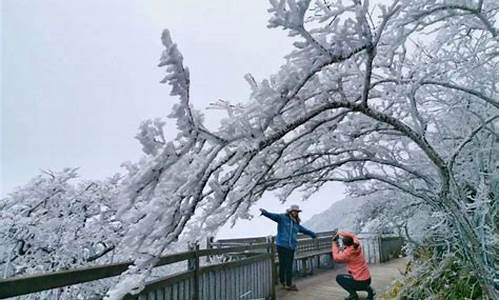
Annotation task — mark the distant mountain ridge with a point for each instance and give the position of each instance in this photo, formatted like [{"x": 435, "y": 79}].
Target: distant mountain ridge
[
  {"x": 360, "y": 215},
  {"x": 342, "y": 214}
]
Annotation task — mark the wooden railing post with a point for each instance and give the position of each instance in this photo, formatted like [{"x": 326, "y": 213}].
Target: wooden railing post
[
  {"x": 318, "y": 257},
  {"x": 196, "y": 273},
  {"x": 380, "y": 249},
  {"x": 210, "y": 241},
  {"x": 272, "y": 250},
  {"x": 194, "y": 265}
]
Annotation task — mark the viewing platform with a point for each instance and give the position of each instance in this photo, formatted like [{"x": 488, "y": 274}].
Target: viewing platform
[
  {"x": 244, "y": 268},
  {"x": 323, "y": 286}
]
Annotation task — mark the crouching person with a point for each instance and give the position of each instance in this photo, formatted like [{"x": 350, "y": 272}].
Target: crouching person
[{"x": 359, "y": 278}]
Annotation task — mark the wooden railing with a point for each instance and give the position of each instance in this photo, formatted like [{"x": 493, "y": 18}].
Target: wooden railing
[
  {"x": 312, "y": 254},
  {"x": 390, "y": 247},
  {"x": 250, "y": 273},
  {"x": 251, "y": 277}
]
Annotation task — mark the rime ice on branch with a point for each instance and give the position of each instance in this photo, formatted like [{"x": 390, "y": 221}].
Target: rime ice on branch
[{"x": 363, "y": 99}]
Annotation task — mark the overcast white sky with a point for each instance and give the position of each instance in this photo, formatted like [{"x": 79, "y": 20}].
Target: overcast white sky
[{"x": 78, "y": 77}]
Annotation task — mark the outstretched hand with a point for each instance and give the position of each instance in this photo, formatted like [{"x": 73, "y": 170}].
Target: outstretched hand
[{"x": 262, "y": 210}]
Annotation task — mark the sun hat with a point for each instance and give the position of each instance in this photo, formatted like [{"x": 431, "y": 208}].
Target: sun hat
[{"x": 293, "y": 207}]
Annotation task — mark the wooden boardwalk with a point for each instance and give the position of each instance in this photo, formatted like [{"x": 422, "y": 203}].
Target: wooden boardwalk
[{"x": 324, "y": 287}]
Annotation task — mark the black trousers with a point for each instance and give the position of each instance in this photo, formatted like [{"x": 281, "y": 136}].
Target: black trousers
[
  {"x": 285, "y": 256},
  {"x": 349, "y": 284}
]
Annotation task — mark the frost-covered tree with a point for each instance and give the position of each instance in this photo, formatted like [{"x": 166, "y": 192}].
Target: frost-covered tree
[
  {"x": 56, "y": 222},
  {"x": 398, "y": 101},
  {"x": 399, "y": 97}
]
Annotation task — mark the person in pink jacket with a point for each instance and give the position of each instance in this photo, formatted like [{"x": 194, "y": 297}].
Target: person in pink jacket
[{"x": 358, "y": 277}]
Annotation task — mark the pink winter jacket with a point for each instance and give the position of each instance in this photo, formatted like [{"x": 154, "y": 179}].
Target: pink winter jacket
[{"x": 352, "y": 256}]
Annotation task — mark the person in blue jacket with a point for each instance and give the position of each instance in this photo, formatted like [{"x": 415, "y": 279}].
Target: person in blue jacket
[{"x": 286, "y": 241}]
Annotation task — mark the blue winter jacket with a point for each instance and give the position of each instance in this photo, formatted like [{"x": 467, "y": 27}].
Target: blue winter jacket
[{"x": 287, "y": 230}]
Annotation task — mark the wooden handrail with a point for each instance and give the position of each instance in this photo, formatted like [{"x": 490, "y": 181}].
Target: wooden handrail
[
  {"x": 17, "y": 286},
  {"x": 40, "y": 282},
  {"x": 168, "y": 280}
]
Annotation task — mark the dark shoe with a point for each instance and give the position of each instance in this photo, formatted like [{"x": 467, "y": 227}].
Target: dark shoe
[
  {"x": 293, "y": 287},
  {"x": 352, "y": 297},
  {"x": 371, "y": 294}
]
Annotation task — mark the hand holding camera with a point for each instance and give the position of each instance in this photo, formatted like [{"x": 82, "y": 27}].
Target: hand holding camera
[{"x": 335, "y": 237}]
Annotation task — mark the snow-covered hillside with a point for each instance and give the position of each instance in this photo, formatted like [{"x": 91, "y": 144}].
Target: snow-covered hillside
[
  {"x": 377, "y": 213},
  {"x": 343, "y": 214}
]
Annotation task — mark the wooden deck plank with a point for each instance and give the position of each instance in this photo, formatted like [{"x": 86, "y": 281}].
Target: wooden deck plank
[{"x": 324, "y": 287}]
